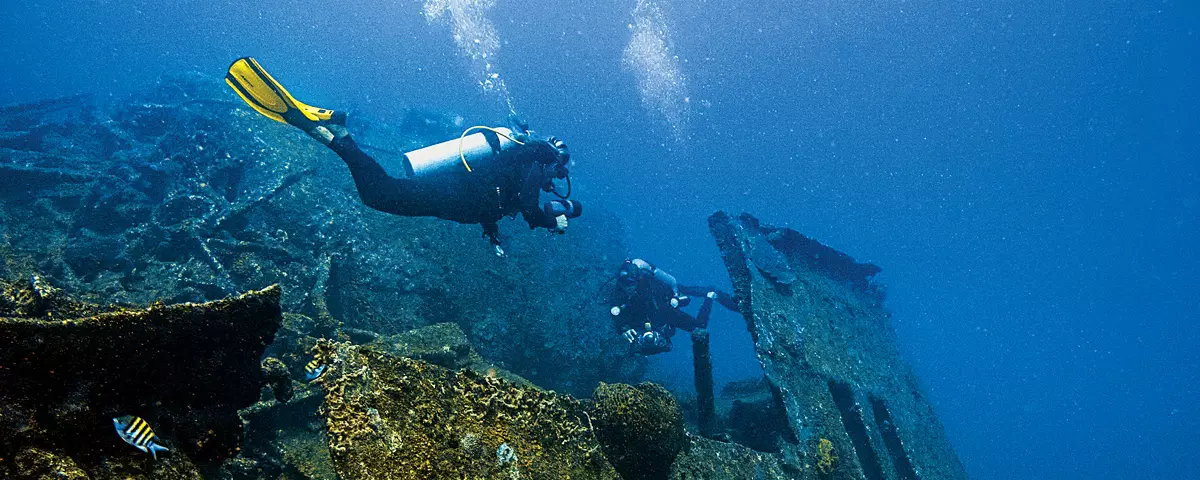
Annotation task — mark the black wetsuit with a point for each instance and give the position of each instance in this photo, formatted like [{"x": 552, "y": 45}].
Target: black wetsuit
[
  {"x": 509, "y": 185},
  {"x": 650, "y": 302}
]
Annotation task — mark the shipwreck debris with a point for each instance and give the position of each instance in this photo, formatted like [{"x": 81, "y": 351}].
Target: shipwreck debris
[
  {"x": 73, "y": 367},
  {"x": 391, "y": 417},
  {"x": 854, "y": 408}
]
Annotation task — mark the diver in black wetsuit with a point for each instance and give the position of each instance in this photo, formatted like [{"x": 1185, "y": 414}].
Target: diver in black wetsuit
[
  {"x": 509, "y": 185},
  {"x": 648, "y": 302},
  {"x": 511, "y": 167}
]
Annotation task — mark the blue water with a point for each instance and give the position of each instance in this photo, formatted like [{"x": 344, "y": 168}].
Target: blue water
[{"x": 1026, "y": 173}]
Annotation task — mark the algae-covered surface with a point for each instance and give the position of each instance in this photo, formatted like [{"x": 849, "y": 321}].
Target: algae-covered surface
[
  {"x": 640, "y": 427},
  {"x": 185, "y": 368},
  {"x": 392, "y": 417}
]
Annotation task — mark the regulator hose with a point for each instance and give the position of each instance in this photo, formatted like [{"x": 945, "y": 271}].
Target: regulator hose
[{"x": 462, "y": 137}]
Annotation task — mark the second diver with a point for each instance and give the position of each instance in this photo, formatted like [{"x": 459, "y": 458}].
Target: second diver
[
  {"x": 648, "y": 302},
  {"x": 477, "y": 178}
]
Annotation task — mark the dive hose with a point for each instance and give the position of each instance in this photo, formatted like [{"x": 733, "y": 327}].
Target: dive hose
[{"x": 462, "y": 137}]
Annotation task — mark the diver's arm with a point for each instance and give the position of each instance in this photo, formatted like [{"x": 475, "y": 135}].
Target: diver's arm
[
  {"x": 624, "y": 321},
  {"x": 531, "y": 189},
  {"x": 541, "y": 161},
  {"x": 619, "y": 301}
]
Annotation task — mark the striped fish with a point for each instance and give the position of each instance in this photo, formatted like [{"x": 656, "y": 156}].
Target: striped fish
[
  {"x": 314, "y": 370},
  {"x": 135, "y": 431}
]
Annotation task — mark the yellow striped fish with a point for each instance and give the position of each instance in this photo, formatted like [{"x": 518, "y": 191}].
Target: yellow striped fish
[
  {"x": 314, "y": 370},
  {"x": 135, "y": 431}
]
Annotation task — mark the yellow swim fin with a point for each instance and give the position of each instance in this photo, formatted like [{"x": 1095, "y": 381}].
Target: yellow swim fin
[{"x": 266, "y": 96}]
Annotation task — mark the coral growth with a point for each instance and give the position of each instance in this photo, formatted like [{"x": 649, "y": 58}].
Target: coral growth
[
  {"x": 35, "y": 462},
  {"x": 391, "y": 417},
  {"x": 826, "y": 459},
  {"x": 185, "y": 368},
  {"x": 445, "y": 345},
  {"x": 640, "y": 427}
]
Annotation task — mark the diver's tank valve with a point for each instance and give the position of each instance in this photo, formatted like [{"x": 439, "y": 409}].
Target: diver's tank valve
[{"x": 477, "y": 149}]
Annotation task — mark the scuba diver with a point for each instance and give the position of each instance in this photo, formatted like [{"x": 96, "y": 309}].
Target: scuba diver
[
  {"x": 648, "y": 302},
  {"x": 478, "y": 178}
]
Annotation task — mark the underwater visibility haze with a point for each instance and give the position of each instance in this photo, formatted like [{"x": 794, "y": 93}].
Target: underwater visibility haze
[{"x": 1026, "y": 174}]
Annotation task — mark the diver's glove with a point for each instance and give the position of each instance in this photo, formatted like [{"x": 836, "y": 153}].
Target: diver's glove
[
  {"x": 560, "y": 225},
  {"x": 630, "y": 335}
]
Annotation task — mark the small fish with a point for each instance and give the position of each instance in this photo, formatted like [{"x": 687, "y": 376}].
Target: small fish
[
  {"x": 135, "y": 431},
  {"x": 313, "y": 370}
]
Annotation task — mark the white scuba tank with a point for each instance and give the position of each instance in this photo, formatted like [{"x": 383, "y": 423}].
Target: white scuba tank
[{"x": 478, "y": 148}]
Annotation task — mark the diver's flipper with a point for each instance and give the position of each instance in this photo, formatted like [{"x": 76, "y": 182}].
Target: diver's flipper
[{"x": 266, "y": 96}]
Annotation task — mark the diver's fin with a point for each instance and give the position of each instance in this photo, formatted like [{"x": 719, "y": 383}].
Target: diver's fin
[{"x": 266, "y": 96}]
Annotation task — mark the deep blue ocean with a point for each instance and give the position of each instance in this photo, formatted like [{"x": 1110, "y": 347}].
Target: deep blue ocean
[{"x": 1027, "y": 174}]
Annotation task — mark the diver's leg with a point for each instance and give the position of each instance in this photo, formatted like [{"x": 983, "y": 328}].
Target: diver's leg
[
  {"x": 376, "y": 188},
  {"x": 463, "y": 198},
  {"x": 724, "y": 298},
  {"x": 680, "y": 319},
  {"x": 683, "y": 321},
  {"x": 705, "y": 310}
]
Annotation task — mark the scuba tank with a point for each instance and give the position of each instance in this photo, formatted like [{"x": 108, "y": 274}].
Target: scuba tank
[{"x": 477, "y": 149}]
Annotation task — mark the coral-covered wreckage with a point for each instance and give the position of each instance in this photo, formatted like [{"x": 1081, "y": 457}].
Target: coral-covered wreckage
[
  {"x": 68, "y": 368},
  {"x": 250, "y": 255},
  {"x": 851, "y": 407}
]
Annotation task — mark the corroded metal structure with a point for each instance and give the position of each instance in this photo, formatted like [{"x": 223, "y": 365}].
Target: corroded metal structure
[{"x": 855, "y": 409}]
